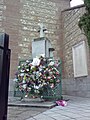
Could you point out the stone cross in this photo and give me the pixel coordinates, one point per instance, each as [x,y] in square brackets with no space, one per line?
[41,29]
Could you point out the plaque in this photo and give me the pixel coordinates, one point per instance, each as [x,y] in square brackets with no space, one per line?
[79,60]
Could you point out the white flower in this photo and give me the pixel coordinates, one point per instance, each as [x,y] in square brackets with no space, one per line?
[26,95]
[40,85]
[22,64]
[24,85]
[36,62]
[27,61]
[51,63]
[49,77]
[22,74]
[36,87]
[27,69]
[32,67]
[18,67]
[29,88]
[40,68]
[22,70]
[44,83]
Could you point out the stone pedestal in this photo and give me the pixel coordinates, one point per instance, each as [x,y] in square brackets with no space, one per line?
[42,46]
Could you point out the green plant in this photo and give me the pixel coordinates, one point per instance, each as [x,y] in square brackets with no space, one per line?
[84,22]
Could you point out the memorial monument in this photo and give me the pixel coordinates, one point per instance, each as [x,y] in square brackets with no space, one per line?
[42,45]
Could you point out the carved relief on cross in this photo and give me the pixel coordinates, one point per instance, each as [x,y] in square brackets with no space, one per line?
[41,30]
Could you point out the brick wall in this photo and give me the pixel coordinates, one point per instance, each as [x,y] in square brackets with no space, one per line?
[72,35]
[20,20]
[11,25]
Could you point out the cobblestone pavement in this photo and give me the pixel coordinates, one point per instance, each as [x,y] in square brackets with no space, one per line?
[77,109]
[23,113]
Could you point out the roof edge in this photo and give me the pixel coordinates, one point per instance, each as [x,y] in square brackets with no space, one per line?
[75,7]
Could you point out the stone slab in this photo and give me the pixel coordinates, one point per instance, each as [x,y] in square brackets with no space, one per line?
[30,103]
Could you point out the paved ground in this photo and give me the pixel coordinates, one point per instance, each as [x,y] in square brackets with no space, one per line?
[23,113]
[77,109]
[23,109]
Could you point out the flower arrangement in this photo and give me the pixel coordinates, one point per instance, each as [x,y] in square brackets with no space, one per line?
[36,77]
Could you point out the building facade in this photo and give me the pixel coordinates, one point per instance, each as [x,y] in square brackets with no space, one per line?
[20,18]
[76,76]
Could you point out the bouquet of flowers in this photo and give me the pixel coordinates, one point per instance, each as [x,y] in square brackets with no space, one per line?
[36,77]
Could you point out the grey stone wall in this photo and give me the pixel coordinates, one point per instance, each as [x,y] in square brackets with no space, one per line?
[71,36]
[76,87]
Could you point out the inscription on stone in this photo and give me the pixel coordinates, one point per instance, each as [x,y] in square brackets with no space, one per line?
[79,60]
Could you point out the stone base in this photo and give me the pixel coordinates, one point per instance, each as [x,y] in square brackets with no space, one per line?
[16,101]
[76,86]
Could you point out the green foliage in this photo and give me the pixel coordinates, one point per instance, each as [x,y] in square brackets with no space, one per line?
[87,4]
[84,22]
